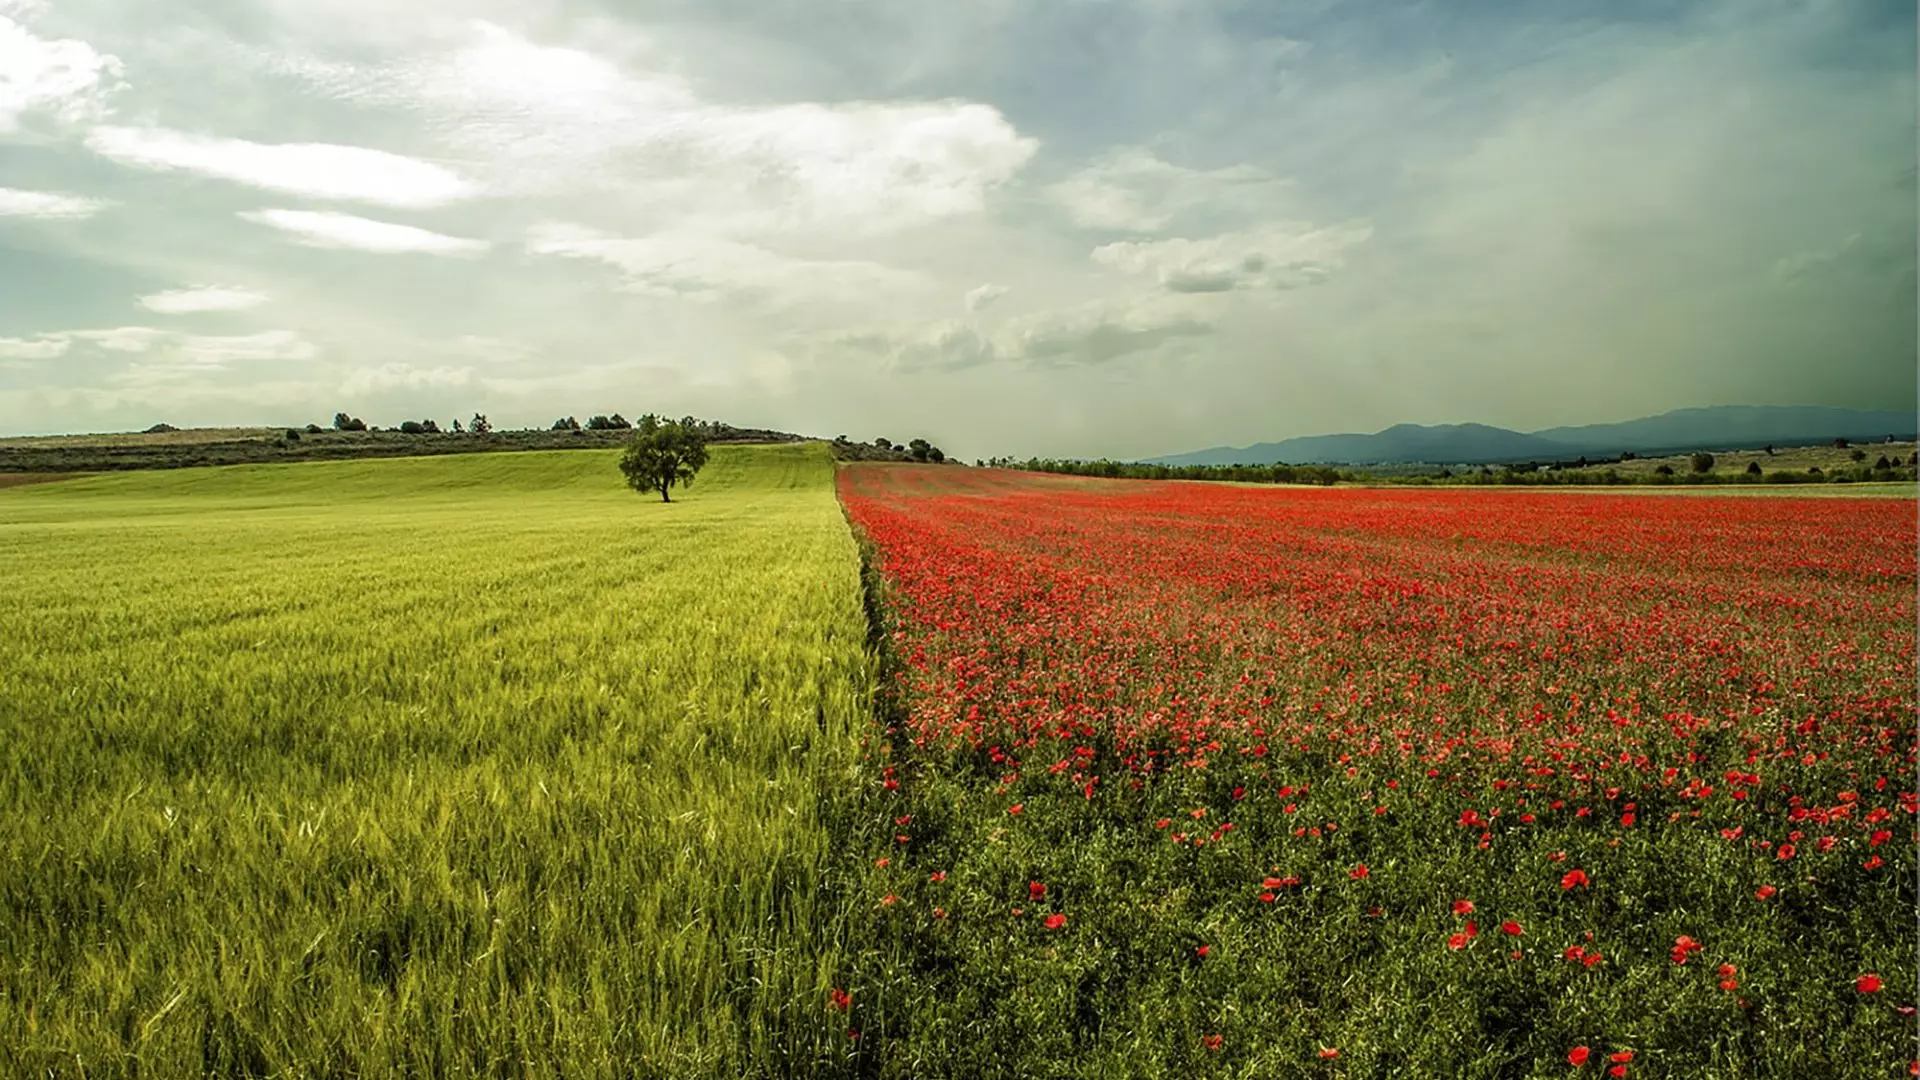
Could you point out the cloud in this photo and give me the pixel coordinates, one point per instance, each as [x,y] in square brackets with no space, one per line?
[45,347]
[1282,255]
[315,170]
[265,345]
[127,339]
[1084,335]
[48,205]
[66,80]
[388,377]
[695,266]
[202,298]
[980,298]
[327,229]
[1805,264]
[1101,332]
[1131,190]
[549,119]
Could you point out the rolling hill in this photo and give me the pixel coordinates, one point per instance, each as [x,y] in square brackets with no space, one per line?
[1682,430]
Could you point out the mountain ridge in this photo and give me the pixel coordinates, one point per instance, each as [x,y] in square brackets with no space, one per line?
[1714,427]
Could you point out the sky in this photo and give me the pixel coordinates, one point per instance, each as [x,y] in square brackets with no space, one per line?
[1056,227]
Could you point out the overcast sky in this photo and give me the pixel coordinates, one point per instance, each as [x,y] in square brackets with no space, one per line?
[1076,227]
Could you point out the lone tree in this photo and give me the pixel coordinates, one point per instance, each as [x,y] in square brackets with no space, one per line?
[661,455]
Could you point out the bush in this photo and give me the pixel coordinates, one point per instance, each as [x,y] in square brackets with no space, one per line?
[412,427]
[293,435]
[565,423]
[1702,462]
[1664,470]
[343,422]
[1858,454]
[1753,468]
[313,429]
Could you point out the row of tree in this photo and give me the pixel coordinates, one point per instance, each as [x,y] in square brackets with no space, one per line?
[479,425]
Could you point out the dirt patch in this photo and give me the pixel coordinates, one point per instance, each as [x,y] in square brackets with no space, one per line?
[8,480]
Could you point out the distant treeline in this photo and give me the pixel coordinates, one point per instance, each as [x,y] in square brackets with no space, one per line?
[1512,477]
[1245,474]
[1529,475]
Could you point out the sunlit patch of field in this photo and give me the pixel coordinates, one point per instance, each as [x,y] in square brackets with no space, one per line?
[476,765]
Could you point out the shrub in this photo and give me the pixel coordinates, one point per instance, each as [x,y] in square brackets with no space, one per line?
[1664,470]
[412,427]
[293,435]
[565,423]
[1702,462]
[313,429]
[1753,468]
[1858,454]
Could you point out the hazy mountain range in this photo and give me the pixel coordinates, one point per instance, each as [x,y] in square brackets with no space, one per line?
[1725,427]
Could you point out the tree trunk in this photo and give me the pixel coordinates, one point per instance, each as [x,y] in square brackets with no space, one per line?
[663,493]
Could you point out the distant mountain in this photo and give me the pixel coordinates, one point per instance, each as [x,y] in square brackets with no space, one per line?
[1725,427]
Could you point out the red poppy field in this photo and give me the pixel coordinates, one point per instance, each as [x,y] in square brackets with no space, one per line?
[1185,779]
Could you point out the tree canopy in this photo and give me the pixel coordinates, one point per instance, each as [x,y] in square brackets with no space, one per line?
[661,455]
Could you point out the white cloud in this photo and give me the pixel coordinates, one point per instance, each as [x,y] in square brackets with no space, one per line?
[1101,331]
[405,377]
[1129,189]
[1087,334]
[327,229]
[128,339]
[48,205]
[202,298]
[316,170]
[45,347]
[66,80]
[980,298]
[1282,255]
[265,345]
[552,120]
[690,265]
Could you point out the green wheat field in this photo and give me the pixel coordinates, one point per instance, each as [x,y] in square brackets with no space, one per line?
[448,766]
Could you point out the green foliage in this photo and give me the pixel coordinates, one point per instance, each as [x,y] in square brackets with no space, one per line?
[661,455]
[1701,461]
[1243,474]
[343,422]
[391,768]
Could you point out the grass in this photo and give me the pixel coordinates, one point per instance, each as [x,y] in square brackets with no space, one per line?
[477,765]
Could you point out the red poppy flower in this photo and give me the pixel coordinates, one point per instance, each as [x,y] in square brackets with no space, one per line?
[1867,984]
[1056,921]
[1202,950]
[1213,1041]
[1617,1071]
[1358,872]
[1456,941]
[841,999]
[1328,1053]
[1578,1055]
[1511,928]
[1463,907]
[1016,808]
[1784,851]
[1035,890]
[1572,878]
[1621,1057]
[1765,892]
[937,875]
